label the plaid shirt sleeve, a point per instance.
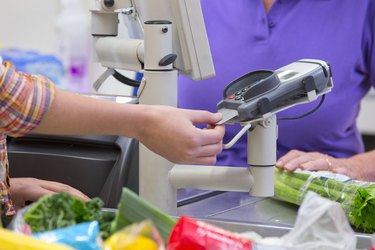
(24, 99)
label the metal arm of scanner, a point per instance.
(159, 179)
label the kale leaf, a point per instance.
(62, 210)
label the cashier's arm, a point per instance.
(167, 131)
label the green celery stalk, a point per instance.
(323, 188)
(332, 184)
(132, 209)
(302, 186)
(287, 193)
(356, 198)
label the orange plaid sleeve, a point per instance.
(24, 99)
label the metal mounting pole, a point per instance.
(262, 156)
(158, 87)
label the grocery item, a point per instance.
(132, 208)
(191, 234)
(138, 236)
(14, 241)
(357, 198)
(83, 236)
(62, 210)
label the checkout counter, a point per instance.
(102, 165)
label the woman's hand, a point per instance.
(31, 189)
(358, 167)
(305, 160)
(172, 133)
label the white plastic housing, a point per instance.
(116, 53)
(235, 179)
(158, 44)
(190, 41)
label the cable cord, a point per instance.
(125, 80)
(306, 114)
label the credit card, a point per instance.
(228, 114)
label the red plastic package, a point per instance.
(191, 234)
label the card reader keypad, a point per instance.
(240, 94)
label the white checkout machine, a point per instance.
(168, 37)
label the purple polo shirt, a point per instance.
(243, 38)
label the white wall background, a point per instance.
(30, 24)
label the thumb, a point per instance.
(204, 117)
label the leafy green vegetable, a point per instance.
(105, 223)
(355, 197)
(363, 214)
(51, 212)
(63, 210)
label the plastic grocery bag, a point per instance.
(192, 234)
(137, 236)
(320, 224)
(18, 224)
(82, 236)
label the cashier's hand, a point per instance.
(358, 167)
(171, 133)
(31, 189)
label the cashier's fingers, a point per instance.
(291, 161)
(318, 164)
(292, 154)
(60, 187)
(305, 160)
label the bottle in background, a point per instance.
(73, 37)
